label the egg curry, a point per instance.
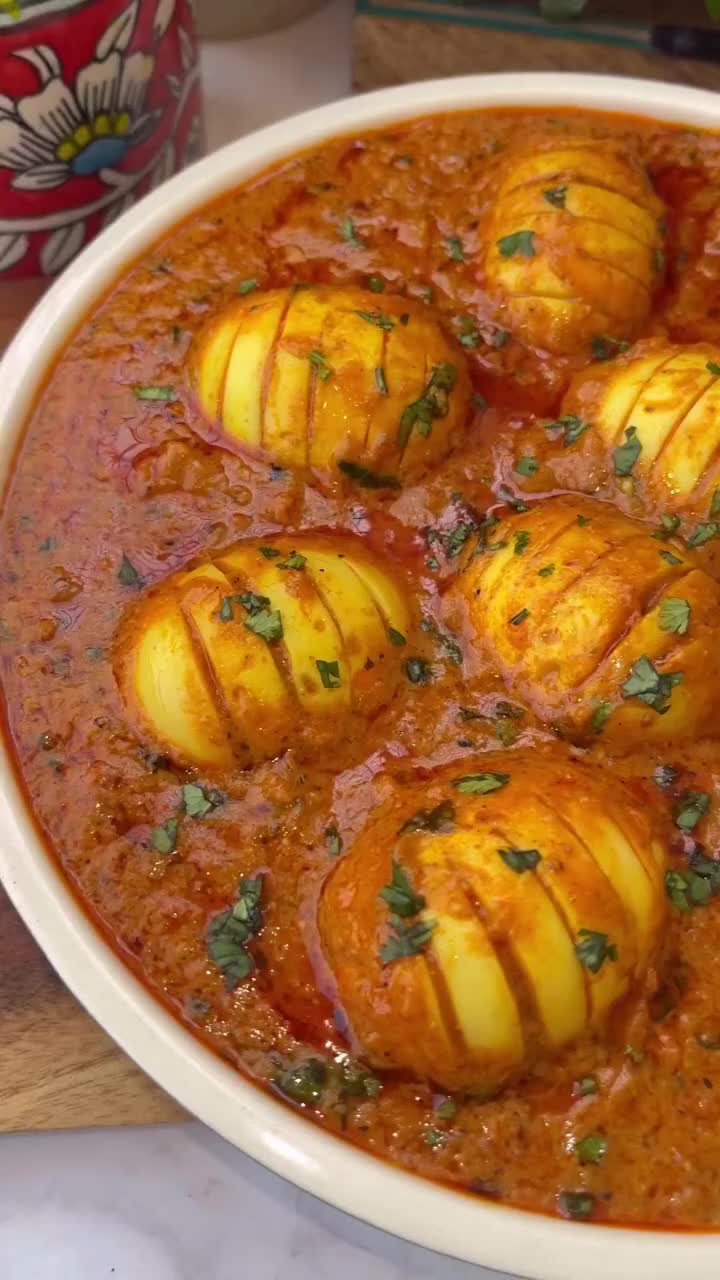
(361, 612)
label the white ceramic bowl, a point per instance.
(466, 1227)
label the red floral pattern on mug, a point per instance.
(99, 103)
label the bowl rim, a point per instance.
(471, 1229)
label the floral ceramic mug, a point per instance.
(99, 103)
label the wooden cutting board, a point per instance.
(58, 1070)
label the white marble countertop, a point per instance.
(177, 1202)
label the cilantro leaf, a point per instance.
(229, 933)
(333, 840)
(320, 365)
(378, 318)
(400, 896)
(703, 533)
(418, 670)
(266, 623)
(626, 455)
(592, 1149)
(455, 249)
(650, 686)
(593, 949)
(600, 716)
(520, 860)
(304, 1082)
(197, 801)
(128, 574)
(520, 242)
(571, 426)
(329, 673)
(294, 561)
(434, 403)
(481, 783)
(556, 196)
(674, 615)
(527, 466)
(519, 617)
(691, 807)
(154, 393)
(439, 820)
(163, 839)
(578, 1205)
(406, 939)
(365, 478)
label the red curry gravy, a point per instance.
(103, 479)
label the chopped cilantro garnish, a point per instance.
(674, 615)
(520, 860)
(381, 381)
(329, 673)
(439, 820)
(229, 933)
(606, 348)
(418, 670)
(198, 801)
(333, 840)
(600, 716)
(433, 403)
(582, 521)
(664, 776)
(626, 455)
(527, 466)
(522, 540)
(349, 233)
(266, 623)
(519, 242)
(578, 1205)
(586, 1087)
(396, 637)
(519, 617)
(592, 1149)
(269, 553)
(304, 1082)
(668, 526)
(571, 426)
(690, 808)
(455, 250)
(593, 949)
(128, 574)
(365, 478)
(406, 939)
(294, 561)
(556, 196)
(669, 557)
(703, 533)
(154, 393)
(650, 686)
(399, 895)
(247, 286)
(376, 284)
(546, 571)
(713, 368)
(481, 783)
(377, 317)
(163, 839)
(320, 364)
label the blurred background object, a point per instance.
(400, 40)
(237, 19)
(100, 104)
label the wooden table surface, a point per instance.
(57, 1068)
